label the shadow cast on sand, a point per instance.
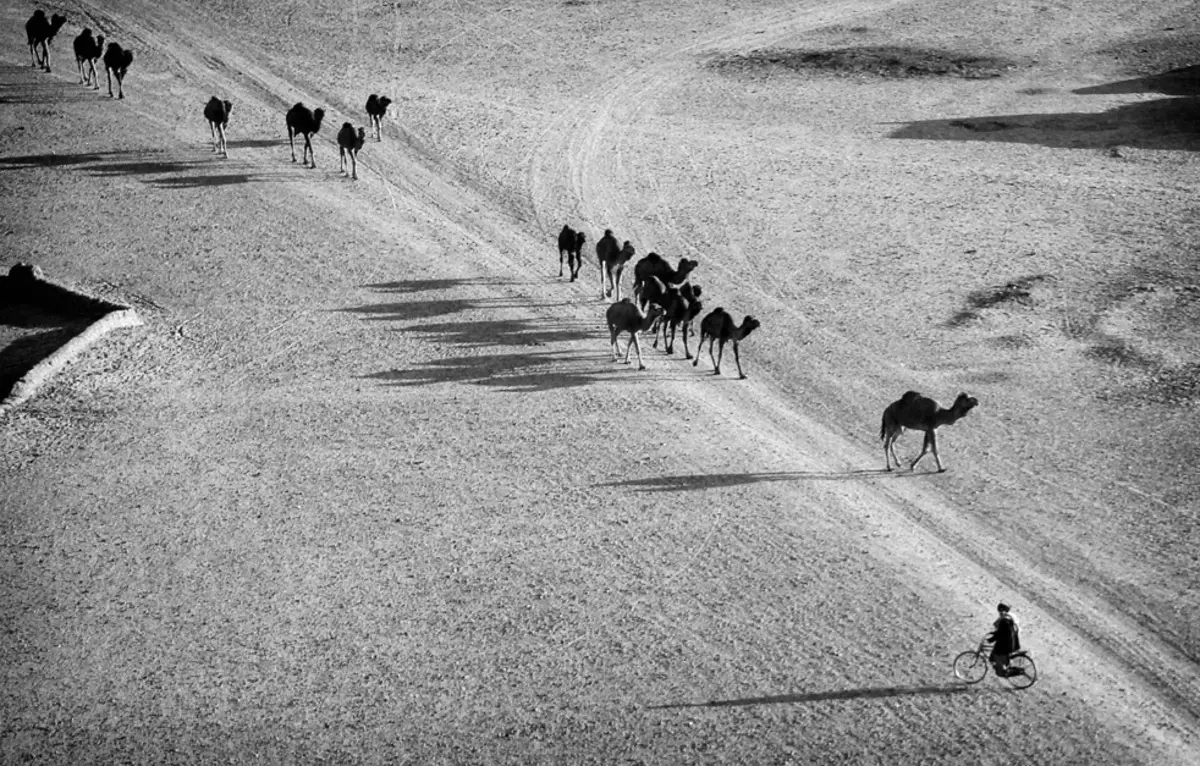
(516, 372)
(686, 482)
(881, 692)
(1164, 124)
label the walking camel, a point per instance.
(625, 316)
(88, 50)
(301, 121)
(40, 31)
(717, 326)
(349, 142)
(920, 413)
(217, 112)
(570, 244)
(654, 265)
(116, 63)
(612, 263)
(377, 107)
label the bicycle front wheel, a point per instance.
(1022, 673)
(970, 667)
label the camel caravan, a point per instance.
(667, 302)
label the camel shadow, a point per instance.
(192, 182)
(55, 160)
(685, 482)
(423, 285)
(881, 692)
(516, 372)
(254, 143)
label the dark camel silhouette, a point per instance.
(116, 63)
(88, 50)
(919, 413)
(681, 305)
(377, 107)
(654, 265)
(41, 31)
(303, 122)
(570, 244)
(217, 112)
(349, 142)
(612, 263)
(625, 316)
(718, 327)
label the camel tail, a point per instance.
(883, 427)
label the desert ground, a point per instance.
(366, 487)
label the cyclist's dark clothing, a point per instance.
(1005, 635)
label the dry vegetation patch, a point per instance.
(888, 61)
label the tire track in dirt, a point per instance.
(582, 162)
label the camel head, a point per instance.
(964, 404)
(749, 325)
(627, 251)
(384, 103)
(56, 22)
(686, 266)
(318, 115)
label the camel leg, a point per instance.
(108, 77)
(212, 133)
(603, 295)
(737, 358)
(717, 361)
(925, 445)
(638, 347)
(687, 353)
(699, 350)
(560, 263)
(224, 141)
(612, 339)
(292, 143)
(354, 165)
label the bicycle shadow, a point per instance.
(879, 692)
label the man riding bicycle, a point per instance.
(1005, 639)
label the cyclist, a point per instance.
(1005, 639)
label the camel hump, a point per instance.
(910, 396)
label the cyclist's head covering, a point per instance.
(1003, 607)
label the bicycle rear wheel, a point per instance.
(1022, 672)
(970, 667)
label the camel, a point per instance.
(625, 316)
(40, 31)
(680, 307)
(920, 413)
(654, 265)
(377, 107)
(349, 142)
(116, 62)
(87, 50)
(718, 327)
(217, 112)
(612, 263)
(303, 122)
(570, 243)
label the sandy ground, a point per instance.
(366, 487)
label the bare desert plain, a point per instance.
(366, 486)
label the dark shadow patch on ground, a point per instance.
(686, 482)
(423, 285)
(25, 351)
(526, 371)
(191, 182)
(254, 143)
(1184, 81)
(1165, 124)
(881, 692)
(35, 325)
(1016, 291)
(887, 61)
(54, 160)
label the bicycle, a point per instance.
(972, 665)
